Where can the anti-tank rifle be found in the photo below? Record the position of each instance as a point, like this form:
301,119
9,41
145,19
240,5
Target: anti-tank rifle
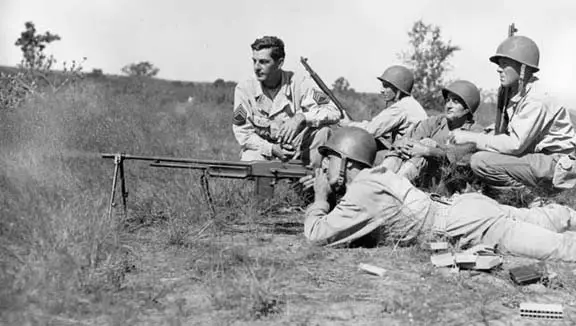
264,173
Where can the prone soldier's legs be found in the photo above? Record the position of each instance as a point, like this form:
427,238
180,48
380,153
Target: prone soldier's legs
474,218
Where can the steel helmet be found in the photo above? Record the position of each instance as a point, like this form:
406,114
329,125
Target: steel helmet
352,143
400,77
465,91
518,48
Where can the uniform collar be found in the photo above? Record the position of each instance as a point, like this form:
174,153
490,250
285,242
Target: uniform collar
467,125
284,86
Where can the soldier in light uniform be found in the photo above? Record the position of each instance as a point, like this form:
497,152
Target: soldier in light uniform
538,134
380,204
279,114
402,110
426,145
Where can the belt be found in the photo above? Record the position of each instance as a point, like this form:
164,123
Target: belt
438,213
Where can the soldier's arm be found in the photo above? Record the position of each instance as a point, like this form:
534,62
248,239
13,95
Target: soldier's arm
382,123
422,129
525,129
316,106
243,128
325,227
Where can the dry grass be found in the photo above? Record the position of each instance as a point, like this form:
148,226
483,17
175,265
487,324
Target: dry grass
173,262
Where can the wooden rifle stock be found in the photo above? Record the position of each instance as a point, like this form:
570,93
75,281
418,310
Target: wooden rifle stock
324,88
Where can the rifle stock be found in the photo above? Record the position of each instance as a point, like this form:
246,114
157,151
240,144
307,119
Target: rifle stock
382,142
324,88
264,173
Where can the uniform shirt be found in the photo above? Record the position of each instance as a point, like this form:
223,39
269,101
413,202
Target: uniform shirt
537,125
394,121
257,118
436,128
375,198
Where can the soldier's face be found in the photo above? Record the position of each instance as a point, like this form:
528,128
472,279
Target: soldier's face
388,91
331,166
509,71
454,108
265,67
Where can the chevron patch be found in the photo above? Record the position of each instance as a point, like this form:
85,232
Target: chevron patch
320,98
240,115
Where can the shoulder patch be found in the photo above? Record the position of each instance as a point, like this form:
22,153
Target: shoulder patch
320,98
240,115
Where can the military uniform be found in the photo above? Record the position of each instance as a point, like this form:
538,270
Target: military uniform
538,135
433,132
379,201
257,118
394,121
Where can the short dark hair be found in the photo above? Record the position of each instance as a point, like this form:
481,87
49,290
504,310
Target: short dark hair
270,42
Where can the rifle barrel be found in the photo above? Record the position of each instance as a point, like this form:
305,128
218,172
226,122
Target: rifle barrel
161,159
221,171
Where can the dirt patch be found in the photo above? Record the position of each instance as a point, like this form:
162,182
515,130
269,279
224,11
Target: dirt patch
263,272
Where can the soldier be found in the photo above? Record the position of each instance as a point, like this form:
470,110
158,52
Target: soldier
277,113
426,144
378,203
538,134
401,111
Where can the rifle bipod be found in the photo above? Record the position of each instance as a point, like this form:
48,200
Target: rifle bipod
118,172
206,192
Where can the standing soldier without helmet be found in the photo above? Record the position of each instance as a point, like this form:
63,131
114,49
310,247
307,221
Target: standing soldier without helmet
534,147
278,114
425,146
402,111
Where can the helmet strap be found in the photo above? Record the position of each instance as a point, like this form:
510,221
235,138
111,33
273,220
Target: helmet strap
342,174
521,80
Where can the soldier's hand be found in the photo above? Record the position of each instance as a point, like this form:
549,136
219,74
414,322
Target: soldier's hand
291,128
415,149
461,137
284,153
321,185
307,182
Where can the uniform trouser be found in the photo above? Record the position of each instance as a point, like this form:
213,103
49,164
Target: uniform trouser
504,172
311,139
473,218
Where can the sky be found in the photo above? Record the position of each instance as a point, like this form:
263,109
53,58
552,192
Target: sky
205,40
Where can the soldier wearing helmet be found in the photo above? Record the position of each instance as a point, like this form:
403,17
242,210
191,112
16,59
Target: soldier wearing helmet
425,146
401,111
279,114
535,132
378,204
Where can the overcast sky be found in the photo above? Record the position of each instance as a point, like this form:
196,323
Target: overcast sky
210,39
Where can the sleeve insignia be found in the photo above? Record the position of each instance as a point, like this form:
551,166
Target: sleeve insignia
320,98
240,115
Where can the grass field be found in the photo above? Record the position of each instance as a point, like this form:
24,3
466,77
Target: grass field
63,261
